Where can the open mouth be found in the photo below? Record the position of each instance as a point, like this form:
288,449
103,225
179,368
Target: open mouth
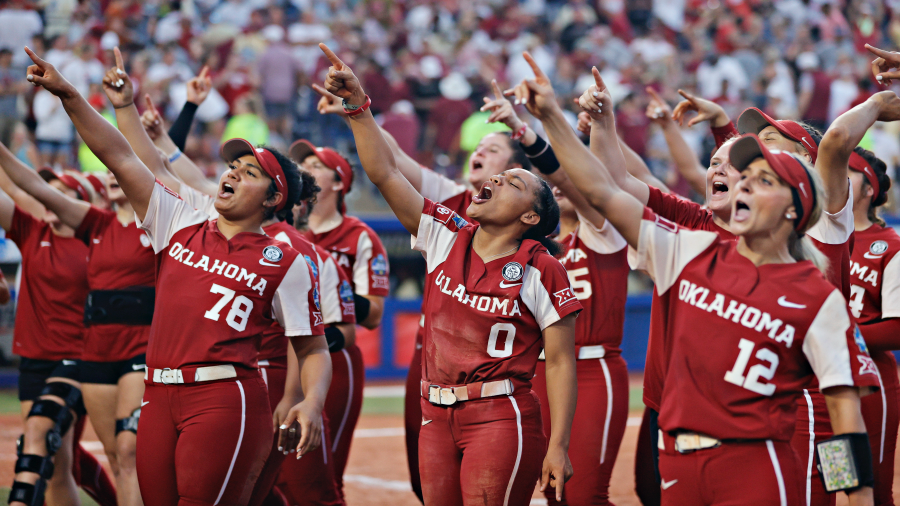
719,188
741,211
113,186
476,165
227,190
484,195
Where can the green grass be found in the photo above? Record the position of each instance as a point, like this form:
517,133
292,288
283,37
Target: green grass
9,402
85,500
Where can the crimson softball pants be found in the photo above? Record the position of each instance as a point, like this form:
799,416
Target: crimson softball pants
597,430
485,452
273,376
813,425
412,415
203,443
763,473
880,412
343,405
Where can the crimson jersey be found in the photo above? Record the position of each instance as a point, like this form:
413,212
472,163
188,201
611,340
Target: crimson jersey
359,253
690,215
596,263
449,193
875,275
119,256
50,306
336,292
742,340
484,321
215,297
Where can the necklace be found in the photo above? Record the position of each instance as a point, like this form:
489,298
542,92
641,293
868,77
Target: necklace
499,255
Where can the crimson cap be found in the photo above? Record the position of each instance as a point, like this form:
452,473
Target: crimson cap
332,159
753,121
98,185
791,170
236,148
859,164
48,175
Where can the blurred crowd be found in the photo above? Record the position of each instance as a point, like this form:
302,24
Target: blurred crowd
427,64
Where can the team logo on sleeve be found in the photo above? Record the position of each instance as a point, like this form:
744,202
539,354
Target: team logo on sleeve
318,316
460,223
379,267
563,297
512,271
442,214
346,294
272,253
867,365
312,266
316,297
878,248
860,342
666,224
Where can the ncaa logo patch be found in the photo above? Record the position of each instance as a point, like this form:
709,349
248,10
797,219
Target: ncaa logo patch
860,342
379,265
512,271
346,291
878,247
458,221
312,266
272,253
316,296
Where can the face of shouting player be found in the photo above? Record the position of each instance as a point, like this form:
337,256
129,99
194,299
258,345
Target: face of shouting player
326,178
761,202
491,157
506,199
243,189
721,178
775,140
566,209
116,195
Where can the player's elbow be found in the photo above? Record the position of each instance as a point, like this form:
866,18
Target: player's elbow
376,311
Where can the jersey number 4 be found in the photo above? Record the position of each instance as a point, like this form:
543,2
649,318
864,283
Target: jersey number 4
240,308
751,381
856,300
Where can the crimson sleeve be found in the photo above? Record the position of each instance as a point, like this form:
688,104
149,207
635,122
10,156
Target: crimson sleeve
93,223
883,335
723,133
23,226
683,212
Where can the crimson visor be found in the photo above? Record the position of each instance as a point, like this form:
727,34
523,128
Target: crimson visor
753,121
748,148
236,148
859,164
332,159
48,175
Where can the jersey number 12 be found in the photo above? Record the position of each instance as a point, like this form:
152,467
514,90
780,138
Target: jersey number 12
240,308
751,381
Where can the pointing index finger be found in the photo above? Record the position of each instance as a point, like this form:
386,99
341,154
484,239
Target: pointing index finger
37,61
333,58
597,79
496,87
654,95
120,66
203,72
887,55
538,73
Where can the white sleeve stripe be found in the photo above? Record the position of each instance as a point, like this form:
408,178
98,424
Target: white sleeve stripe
890,289
434,241
290,304
537,299
438,188
663,253
166,215
835,228
604,240
826,346
328,288
281,236
361,265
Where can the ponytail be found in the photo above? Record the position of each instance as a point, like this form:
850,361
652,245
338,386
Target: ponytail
800,246
548,211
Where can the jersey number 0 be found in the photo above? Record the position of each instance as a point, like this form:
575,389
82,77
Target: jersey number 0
240,308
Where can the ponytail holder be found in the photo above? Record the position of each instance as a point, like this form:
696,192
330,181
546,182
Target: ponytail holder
519,133
352,110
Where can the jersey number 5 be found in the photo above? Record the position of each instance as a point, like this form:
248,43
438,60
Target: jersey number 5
580,287
751,381
240,308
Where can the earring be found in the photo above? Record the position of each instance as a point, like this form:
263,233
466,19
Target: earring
789,216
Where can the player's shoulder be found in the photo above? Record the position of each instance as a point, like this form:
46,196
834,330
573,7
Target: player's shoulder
878,241
352,227
445,216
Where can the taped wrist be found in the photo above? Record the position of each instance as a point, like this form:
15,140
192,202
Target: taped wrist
335,339
542,156
845,462
362,307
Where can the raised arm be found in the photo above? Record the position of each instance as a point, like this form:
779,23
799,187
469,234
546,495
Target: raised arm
198,89
844,134
22,199
686,161
100,136
70,211
587,173
374,152
7,209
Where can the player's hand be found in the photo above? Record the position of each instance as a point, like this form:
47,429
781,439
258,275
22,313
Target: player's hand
658,110
861,497
45,75
501,109
341,81
706,110
535,94
889,105
198,87
117,84
557,470
328,103
584,123
883,67
596,100
4,290
301,430
152,121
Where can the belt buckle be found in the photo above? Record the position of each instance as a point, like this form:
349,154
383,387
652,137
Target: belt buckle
447,393
695,438
164,377
441,396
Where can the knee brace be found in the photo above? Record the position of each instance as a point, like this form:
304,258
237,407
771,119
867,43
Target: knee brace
32,495
130,423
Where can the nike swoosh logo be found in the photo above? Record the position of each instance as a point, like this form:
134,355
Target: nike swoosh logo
871,256
263,262
69,362
504,285
144,403
45,244
783,302
138,367
426,422
666,484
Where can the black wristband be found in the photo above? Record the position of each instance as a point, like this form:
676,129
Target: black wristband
180,129
836,473
542,156
362,307
335,339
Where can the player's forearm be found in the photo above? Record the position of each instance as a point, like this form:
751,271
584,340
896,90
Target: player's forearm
883,335
833,160
376,310
349,332
179,130
562,394
410,168
314,363
686,161
844,410
22,199
639,175
604,145
129,123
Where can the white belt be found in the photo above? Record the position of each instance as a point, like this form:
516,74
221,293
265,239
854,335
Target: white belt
209,373
690,442
584,352
448,396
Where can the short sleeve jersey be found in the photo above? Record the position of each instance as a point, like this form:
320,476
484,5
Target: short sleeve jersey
833,236
215,296
50,306
334,289
449,193
484,322
596,263
120,256
742,340
875,275
359,253
198,200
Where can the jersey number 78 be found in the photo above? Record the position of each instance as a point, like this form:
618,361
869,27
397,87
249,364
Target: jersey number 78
240,308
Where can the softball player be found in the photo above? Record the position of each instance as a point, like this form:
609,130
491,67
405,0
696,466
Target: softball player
203,387
481,422
875,304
